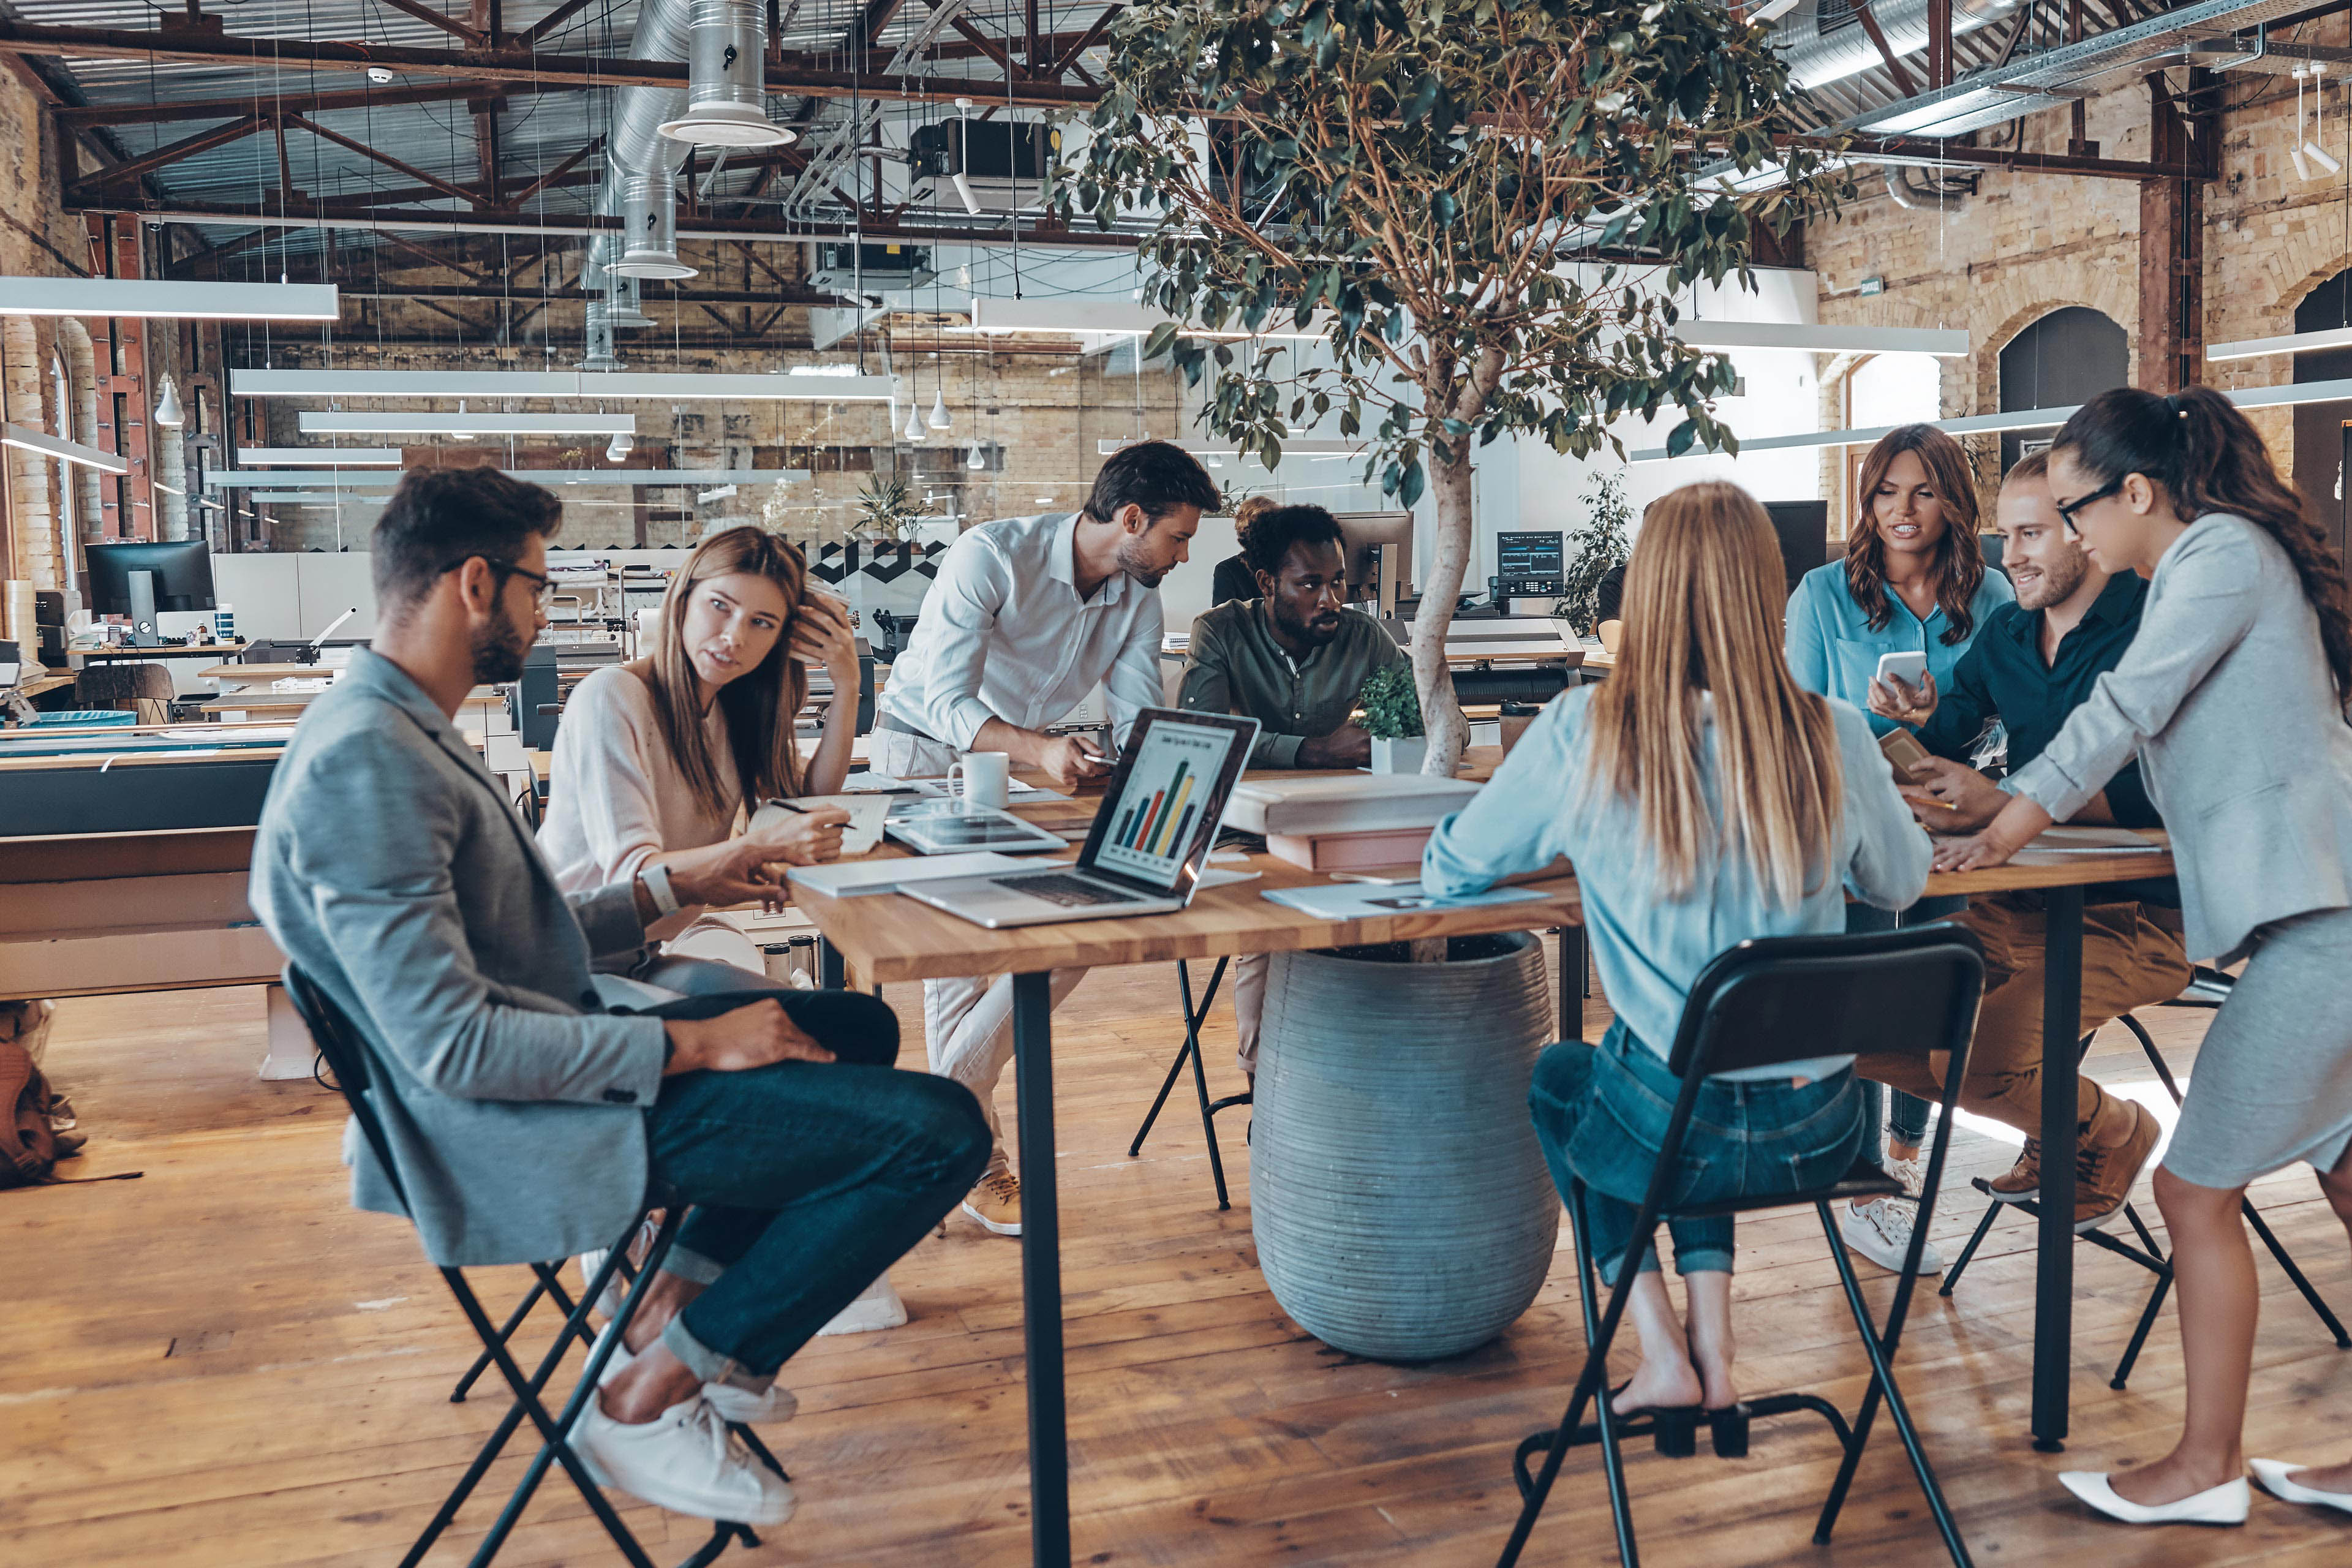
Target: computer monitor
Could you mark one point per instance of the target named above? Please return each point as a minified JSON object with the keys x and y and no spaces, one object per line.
{"x":1803,"y":527}
{"x":137,"y":578}
{"x":1379,"y":553}
{"x":1529,"y":564}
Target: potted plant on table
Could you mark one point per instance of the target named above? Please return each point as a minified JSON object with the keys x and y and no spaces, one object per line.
{"x":1389,"y":708}
{"x":1483,"y":214}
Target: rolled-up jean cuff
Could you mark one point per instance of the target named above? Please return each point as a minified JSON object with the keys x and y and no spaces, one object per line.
{"x":1612,"y":1265}
{"x":688,"y":1264}
{"x":708,"y":1364}
{"x":1702,"y":1260}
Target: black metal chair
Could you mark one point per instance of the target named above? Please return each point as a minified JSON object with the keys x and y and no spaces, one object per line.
{"x":1784,"y":999}
{"x":2204,"y":991}
{"x":347,"y":1056}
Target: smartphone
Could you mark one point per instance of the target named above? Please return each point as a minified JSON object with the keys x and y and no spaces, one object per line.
{"x":1911,"y":668}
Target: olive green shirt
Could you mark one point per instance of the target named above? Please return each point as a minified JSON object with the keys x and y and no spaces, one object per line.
{"x":1237,"y":667}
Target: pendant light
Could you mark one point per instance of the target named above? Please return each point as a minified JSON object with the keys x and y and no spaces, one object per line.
{"x":168,"y":412}
{"x":2295,"y":147}
{"x":914,"y":431}
{"x":939,"y":420}
{"x":2314,"y":149}
{"x":977,"y":463}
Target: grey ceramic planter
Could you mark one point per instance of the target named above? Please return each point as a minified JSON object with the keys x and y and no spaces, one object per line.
{"x":1399,"y":1200}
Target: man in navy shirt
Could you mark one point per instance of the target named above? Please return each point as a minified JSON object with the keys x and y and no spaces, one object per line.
{"x":2029,"y":667}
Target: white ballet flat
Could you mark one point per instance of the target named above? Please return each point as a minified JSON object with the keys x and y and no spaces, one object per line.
{"x":2272,"y":1474}
{"x":2225,"y":1504}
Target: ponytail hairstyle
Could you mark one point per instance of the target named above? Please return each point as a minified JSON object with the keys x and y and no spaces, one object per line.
{"x":2207,"y":458}
{"x":1960,"y":557}
{"x":759,"y":706}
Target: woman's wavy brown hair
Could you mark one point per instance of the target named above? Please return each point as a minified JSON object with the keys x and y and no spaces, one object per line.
{"x":759,"y":707}
{"x":1959,"y":558}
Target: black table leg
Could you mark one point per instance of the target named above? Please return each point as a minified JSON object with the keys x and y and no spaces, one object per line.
{"x":831,"y":972}
{"x":2054,"y":1287}
{"x":1041,"y":1272}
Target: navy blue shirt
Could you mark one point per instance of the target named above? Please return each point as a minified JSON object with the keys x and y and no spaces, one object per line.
{"x":2002,"y":675}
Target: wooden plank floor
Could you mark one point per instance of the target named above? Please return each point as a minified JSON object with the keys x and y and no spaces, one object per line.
{"x":221,"y":1364}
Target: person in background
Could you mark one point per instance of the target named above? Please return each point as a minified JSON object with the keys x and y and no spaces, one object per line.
{"x":1294,"y":657}
{"x":1235,"y":578}
{"x":1025,"y":616}
{"x":2032,"y":665}
{"x":2232,"y":697}
{"x":1704,"y":799}
{"x":656,"y":760}
{"x":1913,"y":581}
{"x":525,"y":1120}
{"x":1609,"y":607}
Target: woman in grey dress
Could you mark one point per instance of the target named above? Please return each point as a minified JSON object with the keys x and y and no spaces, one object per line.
{"x":2233,"y":696}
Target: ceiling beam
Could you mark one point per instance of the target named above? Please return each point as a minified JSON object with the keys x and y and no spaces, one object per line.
{"x":308,"y":102}
{"x":426,"y":14}
{"x":186,"y":147}
{"x":799,"y":76}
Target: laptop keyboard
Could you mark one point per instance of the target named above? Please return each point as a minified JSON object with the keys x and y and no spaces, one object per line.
{"x":1070,"y":892}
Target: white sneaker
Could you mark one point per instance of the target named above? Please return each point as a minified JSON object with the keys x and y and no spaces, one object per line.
{"x":876,"y":1306}
{"x":752,"y":1407}
{"x":2225,"y":1504}
{"x":608,"y":1305}
{"x":685,"y":1460}
{"x":1881,"y":1229}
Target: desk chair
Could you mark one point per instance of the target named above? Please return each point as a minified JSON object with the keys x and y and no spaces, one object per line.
{"x":1912,"y":990}
{"x":2205,"y":991}
{"x":347,"y":1056}
{"x":142,"y":688}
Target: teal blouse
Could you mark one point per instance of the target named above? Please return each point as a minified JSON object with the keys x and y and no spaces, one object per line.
{"x":1833,"y":650}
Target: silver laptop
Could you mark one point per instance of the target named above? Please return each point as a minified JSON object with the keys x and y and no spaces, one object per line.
{"x":1151,"y":838}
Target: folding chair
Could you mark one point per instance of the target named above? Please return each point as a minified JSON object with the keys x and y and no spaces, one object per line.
{"x":1782,"y":999}
{"x":1191,"y":1051}
{"x":2204,"y":991}
{"x":346,"y":1053}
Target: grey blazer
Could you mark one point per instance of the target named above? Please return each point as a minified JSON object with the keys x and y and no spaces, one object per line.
{"x":390,"y":867}
{"x":2227,"y":697}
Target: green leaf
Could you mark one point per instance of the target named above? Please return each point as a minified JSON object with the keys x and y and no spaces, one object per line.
{"x":1444,"y":209}
{"x":1157,"y":343}
{"x":1680,"y":438}
{"x":1408,"y":489}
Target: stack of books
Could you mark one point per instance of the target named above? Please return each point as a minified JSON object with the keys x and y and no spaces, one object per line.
{"x":1369,"y":822}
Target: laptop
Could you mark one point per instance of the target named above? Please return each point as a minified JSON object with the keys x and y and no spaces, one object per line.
{"x":1151,"y":838}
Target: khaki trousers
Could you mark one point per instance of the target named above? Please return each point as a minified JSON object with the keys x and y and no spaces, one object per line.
{"x":2128,"y":961}
{"x":1250,"y":971}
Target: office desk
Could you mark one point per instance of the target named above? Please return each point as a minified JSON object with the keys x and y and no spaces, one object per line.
{"x":2060,"y":879}
{"x":42,"y":684}
{"x":212,"y":650}
{"x":887,"y":938}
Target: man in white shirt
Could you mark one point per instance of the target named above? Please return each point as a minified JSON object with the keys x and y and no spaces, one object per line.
{"x":1026,"y":615}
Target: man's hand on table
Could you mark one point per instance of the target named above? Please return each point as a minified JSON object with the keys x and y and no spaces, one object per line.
{"x":1072,"y":760}
{"x":1348,"y":746}
{"x":757,"y":1036}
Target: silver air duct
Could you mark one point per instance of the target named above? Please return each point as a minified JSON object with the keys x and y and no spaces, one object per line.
{"x":649,"y":229}
{"x":624,"y":307}
{"x":635,"y":147}
{"x":726,"y":93}
{"x":1826,"y":41}
{"x":600,"y":355}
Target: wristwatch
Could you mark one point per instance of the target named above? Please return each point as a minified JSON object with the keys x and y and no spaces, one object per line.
{"x":657,"y":881}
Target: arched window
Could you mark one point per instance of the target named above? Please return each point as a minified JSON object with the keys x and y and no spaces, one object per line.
{"x":2069,"y":357}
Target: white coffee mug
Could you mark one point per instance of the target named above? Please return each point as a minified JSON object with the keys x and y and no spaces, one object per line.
{"x":987,"y":778}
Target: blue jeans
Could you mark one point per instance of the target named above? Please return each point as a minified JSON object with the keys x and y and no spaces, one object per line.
{"x":1906,"y":1115}
{"x":1601,"y":1113}
{"x":807,"y":1180}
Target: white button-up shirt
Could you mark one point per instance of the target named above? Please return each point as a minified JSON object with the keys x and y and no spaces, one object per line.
{"x":1004,"y":635}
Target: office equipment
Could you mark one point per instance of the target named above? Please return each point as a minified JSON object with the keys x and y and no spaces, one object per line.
{"x":532,"y":703}
{"x":1803,"y":527}
{"x":930,"y":827}
{"x":1530,"y":566}
{"x":1150,"y":838}
{"x":1379,"y":555}
{"x":136,"y":579}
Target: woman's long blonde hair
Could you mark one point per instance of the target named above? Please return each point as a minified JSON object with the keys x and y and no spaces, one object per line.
{"x":759,"y":707}
{"x":1704,"y":601}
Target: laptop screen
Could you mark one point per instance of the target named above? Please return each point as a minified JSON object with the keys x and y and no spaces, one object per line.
{"x":1161,"y":814}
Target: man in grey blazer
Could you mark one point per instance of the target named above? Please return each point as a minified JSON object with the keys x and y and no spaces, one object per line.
{"x":527,"y":1123}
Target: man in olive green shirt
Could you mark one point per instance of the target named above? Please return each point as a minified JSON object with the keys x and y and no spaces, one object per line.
{"x":1294,"y":658}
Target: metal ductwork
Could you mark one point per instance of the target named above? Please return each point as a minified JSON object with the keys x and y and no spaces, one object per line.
{"x":600,"y":355}
{"x":726,"y":94}
{"x":624,"y":306}
{"x":1826,"y":41}
{"x":649,"y":229}
{"x":635,"y":148}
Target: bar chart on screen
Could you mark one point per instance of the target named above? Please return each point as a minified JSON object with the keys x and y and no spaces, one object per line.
{"x":1168,"y":788}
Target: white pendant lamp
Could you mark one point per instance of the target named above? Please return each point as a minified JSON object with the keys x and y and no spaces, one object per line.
{"x":977,"y":463}
{"x":168,"y":412}
{"x":2315,"y":149}
{"x":939,"y":420}
{"x":2295,"y":148}
{"x":914,"y":431}
{"x":619,"y":448}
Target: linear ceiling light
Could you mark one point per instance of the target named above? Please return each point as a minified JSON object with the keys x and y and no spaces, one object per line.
{"x":1117,"y":317}
{"x":64,"y":451}
{"x":2293,"y":344}
{"x":1812,"y":339}
{"x":251,"y":478}
{"x":320,"y":457}
{"x":166,"y":297}
{"x":1300,"y":448}
{"x":431,"y":423}
{"x":668,"y":385}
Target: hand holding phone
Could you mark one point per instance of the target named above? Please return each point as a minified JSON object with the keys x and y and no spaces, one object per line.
{"x":1903,"y":690}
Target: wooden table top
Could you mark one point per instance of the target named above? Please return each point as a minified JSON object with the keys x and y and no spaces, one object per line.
{"x":41,"y":683}
{"x":263,"y":671}
{"x":185,"y":650}
{"x":2057,"y":869}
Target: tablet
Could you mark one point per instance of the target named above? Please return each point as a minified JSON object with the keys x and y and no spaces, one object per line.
{"x":945,"y":827}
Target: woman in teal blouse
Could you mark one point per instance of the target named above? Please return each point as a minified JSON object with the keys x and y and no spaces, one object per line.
{"x":1913,"y":581}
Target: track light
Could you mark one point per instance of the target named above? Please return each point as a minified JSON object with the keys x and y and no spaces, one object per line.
{"x":963,"y":190}
{"x":168,"y":412}
{"x":2312,"y":149}
{"x":2295,"y":147}
{"x":939,"y":420}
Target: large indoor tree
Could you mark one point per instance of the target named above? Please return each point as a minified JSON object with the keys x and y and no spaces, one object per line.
{"x":1484,"y":210}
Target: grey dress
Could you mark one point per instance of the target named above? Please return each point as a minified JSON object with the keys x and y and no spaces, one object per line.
{"x":2227,"y":697}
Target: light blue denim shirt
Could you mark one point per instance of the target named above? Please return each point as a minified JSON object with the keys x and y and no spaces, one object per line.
{"x":1832,"y":649}
{"x":1647,"y":947}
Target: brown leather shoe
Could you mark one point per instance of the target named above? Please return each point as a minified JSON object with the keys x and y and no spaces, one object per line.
{"x":2023,"y":1180}
{"x":2104,"y":1171}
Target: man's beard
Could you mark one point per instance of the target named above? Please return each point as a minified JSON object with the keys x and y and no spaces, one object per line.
{"x":1131,"y":561}
{"x":500,"y":649}
{"x":2057,"y":582}
{"x":1304,"y":631}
